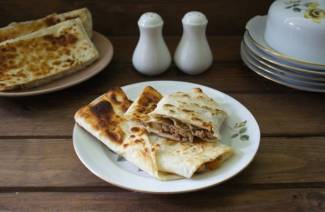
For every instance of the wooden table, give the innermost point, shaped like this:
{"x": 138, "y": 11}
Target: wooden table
{"x": 39, "y": 169}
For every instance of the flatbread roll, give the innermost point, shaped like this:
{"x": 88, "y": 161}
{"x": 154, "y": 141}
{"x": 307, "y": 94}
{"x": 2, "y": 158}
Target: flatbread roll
{"x": 184, "y": 116}
{"x": 187, "y": 158}
{"x": 181, "y": 158}
{"x": 17, "y": 29}
{"x": 45, "y": 55}
{"x": 161, "y": 158}
{"x": 103, "y": 118}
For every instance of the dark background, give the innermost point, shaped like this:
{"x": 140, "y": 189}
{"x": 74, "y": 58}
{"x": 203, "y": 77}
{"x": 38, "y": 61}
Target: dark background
{"x": 119, "y": 17}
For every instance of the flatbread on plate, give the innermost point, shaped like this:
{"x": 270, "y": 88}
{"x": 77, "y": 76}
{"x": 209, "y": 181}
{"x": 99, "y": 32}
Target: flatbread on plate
{"x": 45, "y": 55}
{"x": 103, "y": 118}
{"x": 184, "y": 116}
{"x": 116, "y": 123}
{"x": 17, "y": 29}
{"x": 182, "y": 158}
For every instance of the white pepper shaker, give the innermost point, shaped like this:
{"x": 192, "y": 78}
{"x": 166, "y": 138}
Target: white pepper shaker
{"x": 151, "y": 55}
{"x": 193, "y": 54}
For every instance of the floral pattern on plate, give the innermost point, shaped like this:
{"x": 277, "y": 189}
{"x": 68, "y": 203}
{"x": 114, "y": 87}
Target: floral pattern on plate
{"x": 311, "y": 9}
{"x": 240, "y": 130}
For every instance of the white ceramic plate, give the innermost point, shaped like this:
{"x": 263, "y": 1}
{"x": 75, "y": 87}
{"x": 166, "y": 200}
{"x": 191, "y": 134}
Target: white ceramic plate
{"x": 104, "y": 164}
{"x": 105, "y": 49}
{"x": 280, "y": 63}
{"x": 268, "y": 74}
{"x": 256, "y": 28}
{"x": 278, "y": 72}
{"x": 286, "y": 72}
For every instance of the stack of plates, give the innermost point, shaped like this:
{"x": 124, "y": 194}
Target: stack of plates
{"x": 275, "y": 66}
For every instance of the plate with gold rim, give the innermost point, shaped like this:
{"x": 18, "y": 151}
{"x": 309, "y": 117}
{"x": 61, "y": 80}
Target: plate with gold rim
{"x": 275, "y": 61}
{"x": 286, "y": 73}
{"x": 256, "y": 28}
{"x": 269, "y": 74}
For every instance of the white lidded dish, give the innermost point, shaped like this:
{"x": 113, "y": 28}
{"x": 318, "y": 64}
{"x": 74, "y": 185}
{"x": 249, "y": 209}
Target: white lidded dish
{"x": 296, "y": 28}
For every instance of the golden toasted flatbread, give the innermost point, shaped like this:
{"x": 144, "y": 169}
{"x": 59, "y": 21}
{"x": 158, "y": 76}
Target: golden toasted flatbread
{"x": 103, "y": 118}
{"x": 179, "y": 157}
{"x": 15, "y": 30}
{"x": 184, "y": 116}
{"x": 146, "y": 102}
{"x": 161, "y": 158}
{"x": 45, "y": 55}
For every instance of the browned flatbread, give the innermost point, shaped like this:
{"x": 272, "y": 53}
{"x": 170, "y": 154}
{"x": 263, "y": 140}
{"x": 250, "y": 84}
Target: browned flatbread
{"x": 45, "y": 55}
{"x": 147, "y": 102}
{"x": 103, "y": 118}
{"x": 184, "y": 116}
{"x": 15, "y": 30}
{"x": 105, "y": 114}
{"x": 179, "y": 157}
{"x": 157, "y": 156}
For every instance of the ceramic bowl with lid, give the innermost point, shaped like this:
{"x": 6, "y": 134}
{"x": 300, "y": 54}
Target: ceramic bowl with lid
{"x": 296, "y": 28}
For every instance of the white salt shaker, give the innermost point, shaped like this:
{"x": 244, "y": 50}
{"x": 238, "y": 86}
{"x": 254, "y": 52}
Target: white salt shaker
{"x": 151, "y": 55}
{"x": 193, "y": 54}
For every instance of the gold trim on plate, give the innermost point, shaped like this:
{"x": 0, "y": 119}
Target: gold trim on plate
{"x": 319, "y": 73}
{"x": 260, "y": 73}
{"x": 281, "y": 55}
{"x": 287, "y": 73}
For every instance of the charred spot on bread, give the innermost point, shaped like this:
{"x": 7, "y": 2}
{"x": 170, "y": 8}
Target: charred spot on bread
{"x": 117, "y": 97}
{"x": 168, "y": 105}
{"x": 61, "y": 40}
{"x": 187, "y": 111}
{"x": 148, "y": 100}
{"x": 51, "y": 20}
{"x": 196, "y": 119}
{"x": 107, "y": 120}
{"x": 135, "y": 129}
{"x": 137, "y": 141}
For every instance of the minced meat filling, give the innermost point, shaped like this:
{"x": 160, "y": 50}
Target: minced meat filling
{"x": 203, "y": 134}
{"x": 178, "y": 133}
{"x": 179, "y": 130}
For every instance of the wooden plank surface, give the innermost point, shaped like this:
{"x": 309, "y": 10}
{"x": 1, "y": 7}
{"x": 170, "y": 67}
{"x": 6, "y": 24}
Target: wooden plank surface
{"x": 40, "y": 171}
{"x": 212, "y": 200}
{"x": 52, "y": 163}
{"x": 114, "y": 17}
{"x": 52, "y": 115}
{"x": 230, "y": 77}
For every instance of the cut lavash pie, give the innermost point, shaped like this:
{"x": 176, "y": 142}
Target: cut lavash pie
{"x": 103, "y": 118}
{"x": 183, "y": 116}
{"x": 161, "y": 158}
{"x": 182, "y": 158}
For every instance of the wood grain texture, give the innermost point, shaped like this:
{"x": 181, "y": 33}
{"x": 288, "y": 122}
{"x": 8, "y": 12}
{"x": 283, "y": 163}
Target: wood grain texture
{"x": 114, "y": 17}
{"x": 213, "y": 200}
{"x": 279, "y": 114}
{"x": 229, "y": 77}
{"x": 40, "y": 171}
{"x": 52, "y": 164}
